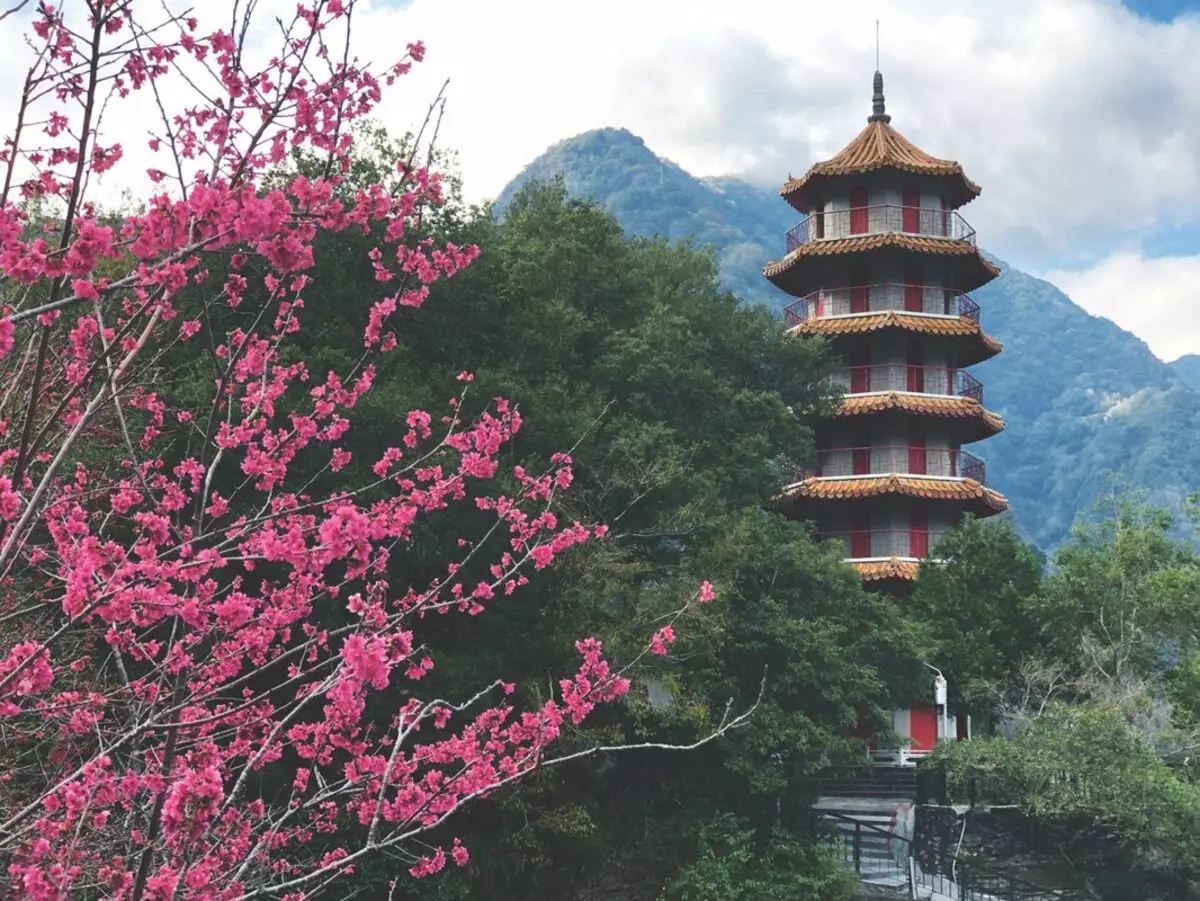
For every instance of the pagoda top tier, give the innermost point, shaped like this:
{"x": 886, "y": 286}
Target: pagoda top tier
{"x": 878, "y": 146}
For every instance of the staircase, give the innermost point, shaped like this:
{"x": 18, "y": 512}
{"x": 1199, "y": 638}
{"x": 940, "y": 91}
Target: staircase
{"x": 877, "y": 782}
{"x": 868, "y": 815}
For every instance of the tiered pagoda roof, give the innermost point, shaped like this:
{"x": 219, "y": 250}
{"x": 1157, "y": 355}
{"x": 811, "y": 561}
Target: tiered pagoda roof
{"x": 981, "y": 500}
{"x": 788, "y": 274}
{"x": 984, "y": 348}
{"x": 878, "y": 146}
{"x": 981, "y": 422}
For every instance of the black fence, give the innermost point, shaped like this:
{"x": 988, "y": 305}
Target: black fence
{"x": 879, "y": 856}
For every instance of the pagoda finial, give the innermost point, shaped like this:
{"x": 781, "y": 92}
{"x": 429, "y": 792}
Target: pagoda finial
{"x": 878, "y": 113}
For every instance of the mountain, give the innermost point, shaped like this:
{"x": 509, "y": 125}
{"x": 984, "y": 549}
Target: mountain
{"x": 652, "y": 196}
{"x": 1188, "y": 367}
{"x": 1083, "y": 399}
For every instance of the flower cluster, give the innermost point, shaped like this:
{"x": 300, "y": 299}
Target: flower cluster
{"x": 179, "y": 614}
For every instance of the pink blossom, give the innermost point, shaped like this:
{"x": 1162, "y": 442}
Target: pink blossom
{"x": 662, "y": 638}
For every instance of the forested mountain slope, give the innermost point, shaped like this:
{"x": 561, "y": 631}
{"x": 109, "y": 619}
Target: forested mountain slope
{"x": 1083, "y": 398}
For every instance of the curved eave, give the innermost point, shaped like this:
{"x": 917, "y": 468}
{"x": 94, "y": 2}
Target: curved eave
{"x": 800, "y": 272}
{"x": 878, "y": 146}
{"x": 978, "y": 422}
{"x": 982, "y": 347}
{"x": 982, "y": 501}
{"x": 894, "y": 569}
{"x": 809, "y": 191}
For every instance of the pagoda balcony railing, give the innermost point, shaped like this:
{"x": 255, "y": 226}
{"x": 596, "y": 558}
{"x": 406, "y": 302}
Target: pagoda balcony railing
{"x": 900, "y": 459}
{"x": 931, "y": 299}
{"x": 879, "y": 219}
{"x": 866, "y": 543}
{"x": 907, "y": 377}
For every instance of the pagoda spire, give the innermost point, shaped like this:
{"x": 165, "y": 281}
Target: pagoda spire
{"x": 878, "y": 112}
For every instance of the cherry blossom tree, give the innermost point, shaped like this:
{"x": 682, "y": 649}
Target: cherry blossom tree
{"x": 163, "y": 652}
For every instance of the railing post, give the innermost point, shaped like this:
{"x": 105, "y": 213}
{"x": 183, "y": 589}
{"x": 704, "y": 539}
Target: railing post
{"x": 858, "y": 847}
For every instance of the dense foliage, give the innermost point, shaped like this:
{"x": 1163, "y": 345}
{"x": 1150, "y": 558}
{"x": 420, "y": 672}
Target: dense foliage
{"x": 676, "y": 401}
{"x": 219, "y": 605}
{"x": 1098, "y": 707}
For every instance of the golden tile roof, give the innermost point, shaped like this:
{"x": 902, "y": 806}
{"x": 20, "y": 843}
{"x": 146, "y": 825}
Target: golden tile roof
{"x": 913, "y": 322}
{"x": 922, "y": 405}
{"x": 859, "y": 243}
{"x": 908, "y": 485}
{"x": 879, "y": 146}
{"x": 978, "y": 272}
{"x": 886, "y": 570}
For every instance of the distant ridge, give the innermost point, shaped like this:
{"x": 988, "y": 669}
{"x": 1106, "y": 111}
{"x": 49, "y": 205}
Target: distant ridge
{"x": 1083, "y": 398}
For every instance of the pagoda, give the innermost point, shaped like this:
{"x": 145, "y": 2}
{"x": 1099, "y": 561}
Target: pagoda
{"x": 881, "y": 267}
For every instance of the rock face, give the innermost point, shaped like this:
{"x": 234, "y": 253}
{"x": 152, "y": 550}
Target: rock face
{"x": 1058, "y": 855}
{"x": 1082, "y": 398}
{"x": 877, "y": 893}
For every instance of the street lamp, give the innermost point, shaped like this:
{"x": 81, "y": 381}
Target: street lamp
{"x": 940, "y": 702}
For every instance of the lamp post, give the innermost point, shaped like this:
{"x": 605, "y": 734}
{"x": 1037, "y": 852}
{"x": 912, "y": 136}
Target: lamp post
{"x": 940, "y": 703}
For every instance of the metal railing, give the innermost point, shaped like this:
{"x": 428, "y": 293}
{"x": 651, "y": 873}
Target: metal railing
{"x": 879, "y": 459}
{"x": 861, "y": 544}
{"x": 877, "y": 219}
{"x": 907, "y": 377}
{"x": 881, "y": 298}
{"x": 881, "y": 856}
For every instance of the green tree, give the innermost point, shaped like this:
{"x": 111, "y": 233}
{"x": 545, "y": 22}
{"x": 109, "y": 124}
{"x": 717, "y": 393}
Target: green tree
{"x": 971, "y": 605}
{"x": 1122, "y": 604}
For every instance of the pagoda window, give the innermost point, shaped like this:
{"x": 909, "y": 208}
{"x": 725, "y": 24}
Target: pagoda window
{"x": 916, "y": 452}
{"x": 945, "y": 217}
{"x": 862, "y": 451}
{"x": 918, "y": 534}
{"x": 859, "y": 358}
{"x": 859, "y": 298}
{"x": 916, "y": 367}
{"x": 859, "y": 211}
{"x": 819, "y": 222}
{"x": 912, "y": 209}
{"x": 860, "y": 535}
{"x": 913, "y": 290}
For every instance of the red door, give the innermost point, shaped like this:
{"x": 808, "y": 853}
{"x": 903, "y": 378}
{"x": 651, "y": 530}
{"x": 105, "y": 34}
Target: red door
{"x": 858, "y": 211}
{"x": 860, "y": 538}
{"x": 916, "y": 367}
{"x": 918, "y": 534}
{"x": 913, "y": 300}
{"x": 923, "y": 728}
{"x": 859, "y": 298}
{"x": 862, "y": 451}
{"x": 912, "y": 209}
{"x": 916, "y": 454}
{"x": 859, "y": 357}
{"x": 865, "y": 731}
{"x": 819, "y": 306}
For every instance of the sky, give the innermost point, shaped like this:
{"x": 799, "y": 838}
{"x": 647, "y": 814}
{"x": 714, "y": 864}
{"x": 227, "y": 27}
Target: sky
{"x": 1080, "y": 118}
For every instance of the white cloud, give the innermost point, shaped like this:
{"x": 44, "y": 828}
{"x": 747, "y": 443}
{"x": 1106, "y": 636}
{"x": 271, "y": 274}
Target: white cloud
{"x": 1080, "y": 120}
{"x": 1153, "y": 298}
